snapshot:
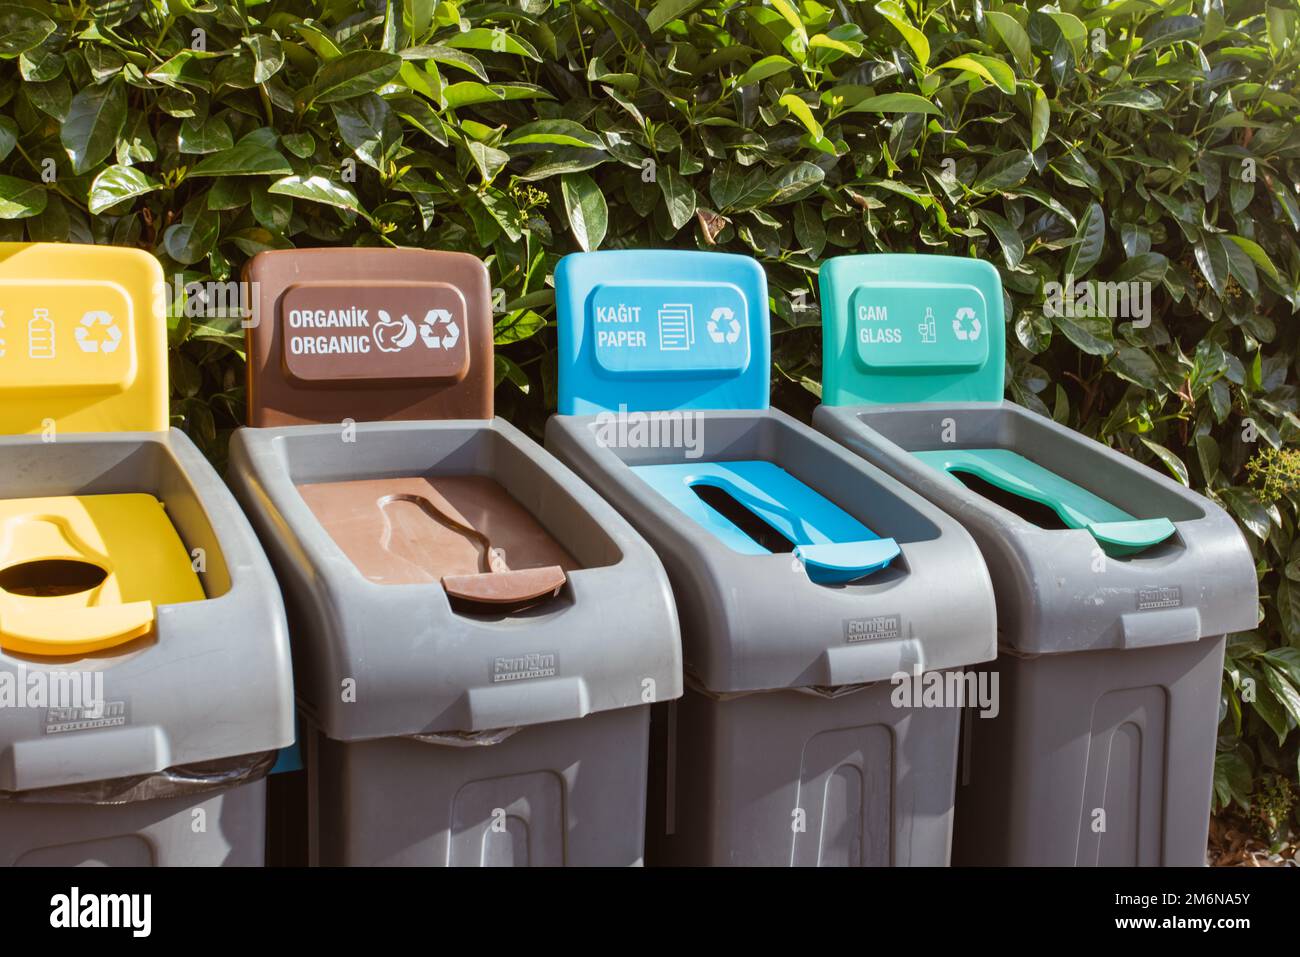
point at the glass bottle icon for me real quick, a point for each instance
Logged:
(40, 335)
(928, 328)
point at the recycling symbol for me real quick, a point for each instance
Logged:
(966, 314)
(110, 339)
(723, 314)
(429, 329)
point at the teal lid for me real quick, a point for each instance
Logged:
(899, 328)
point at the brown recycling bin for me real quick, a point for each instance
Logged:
(471, 687)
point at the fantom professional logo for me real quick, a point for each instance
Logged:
(105, 714)
(541, 664)
(871, 629)
(1170, 596)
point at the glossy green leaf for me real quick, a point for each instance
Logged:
(354, 74)
(116, 184)
(585, 206)
(96, 116)
(20, 198)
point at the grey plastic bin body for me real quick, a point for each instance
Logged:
(759, 764)
(439, 732)
(568, 786)
(193, 713)
(786, 748)
(1109, 667)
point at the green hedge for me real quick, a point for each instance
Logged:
(1152, 141)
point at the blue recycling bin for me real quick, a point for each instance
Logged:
(809, 585)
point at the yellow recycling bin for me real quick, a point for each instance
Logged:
(145, 683)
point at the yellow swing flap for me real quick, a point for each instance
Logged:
(82, 573)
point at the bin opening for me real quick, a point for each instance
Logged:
(1036, 513)
(758, 508)
(465, 532)
(736, 513)
(50, 578)
(85, 573)
(1027, 489)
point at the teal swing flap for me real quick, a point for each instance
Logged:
(833, 545)
(899, 328)
(1116, 531)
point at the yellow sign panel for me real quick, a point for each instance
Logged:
(83, 339)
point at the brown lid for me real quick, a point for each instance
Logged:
(465, 531)
(368, 334)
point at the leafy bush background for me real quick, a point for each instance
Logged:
(1105, 142)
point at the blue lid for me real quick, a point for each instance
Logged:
(900, 328)
(657, 330)
(833, 545)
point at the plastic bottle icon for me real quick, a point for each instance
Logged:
(40, 335)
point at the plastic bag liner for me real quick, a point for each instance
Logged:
(170, 782)
(465, 739)
(817, 691)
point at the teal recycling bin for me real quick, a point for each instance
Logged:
(1115, 585)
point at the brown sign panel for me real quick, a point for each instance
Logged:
(368, 335)
(373, 331)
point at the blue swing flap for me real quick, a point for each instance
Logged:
(834, 547)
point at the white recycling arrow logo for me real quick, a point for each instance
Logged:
(964, 314)
(720, 315)
(112, 334)
(429, 329)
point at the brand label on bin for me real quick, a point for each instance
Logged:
(543, 664)
(900, 325)
(871, 629)
(65, 336)
(1169, 596)
(691, 327)
(391, 331)
(88, 717)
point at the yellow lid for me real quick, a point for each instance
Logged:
(84, 573)
(83, 339)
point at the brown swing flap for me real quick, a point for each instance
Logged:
(526, 585)
(464, 531)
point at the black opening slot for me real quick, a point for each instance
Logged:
(722, 502)
(1044, 516)
(51, 578)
